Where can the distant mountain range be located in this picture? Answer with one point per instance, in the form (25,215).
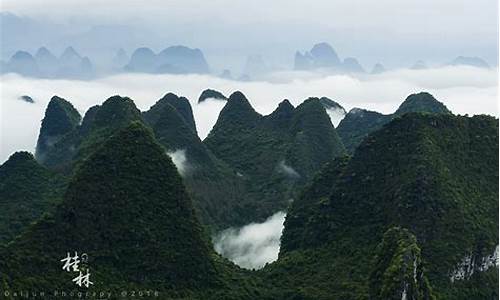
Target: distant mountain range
(323,56)
(185,60)
(46,65)
(173,60)
(470,61)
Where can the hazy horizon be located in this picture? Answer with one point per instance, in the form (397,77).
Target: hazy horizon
(394,33)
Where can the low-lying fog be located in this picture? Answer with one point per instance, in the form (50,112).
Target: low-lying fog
(464,90)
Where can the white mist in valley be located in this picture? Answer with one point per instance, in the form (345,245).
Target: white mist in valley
(179,159)
(254,245)
(464,90)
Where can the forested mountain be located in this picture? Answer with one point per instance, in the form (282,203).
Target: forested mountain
(435,176)
(411,214)
(274,154)
(27,191)
(127,209)
(358,123)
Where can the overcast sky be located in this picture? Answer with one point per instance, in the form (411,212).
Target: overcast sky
(393,32)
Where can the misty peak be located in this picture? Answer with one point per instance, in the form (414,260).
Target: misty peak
(70,53)
(422,102)
(323,50)
(419,65)
(237,111)
(282,115)
(470,61)
(351,65)
(44,53)
(144,52)
(22,56)
(211,94)
(330,104)
(60,118)
(180,104)
(378,68)
(238,101)
(238,97)
(116,112)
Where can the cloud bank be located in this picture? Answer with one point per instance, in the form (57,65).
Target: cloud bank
(253,245)
(464,90)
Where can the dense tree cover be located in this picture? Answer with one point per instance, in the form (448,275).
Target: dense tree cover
(275,154)
(398,272)
(60,118)
(98,124)
(330,104)
(358,123)
(212,94)
(250,166)
(27,191)
(217,191)
(435,175)
(413,213)
(181,104)
(127,209)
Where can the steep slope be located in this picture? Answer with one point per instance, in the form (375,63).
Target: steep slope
(216,190)
(181,104)
(421,102)
(27,190)
(98,124)
(351,65)
(23,63)
(358,123)
(334,110)
(213,94)
(321,55)
(129,218)
(60,118)
(128,210)
(398,271)
(435,175)
(274,154)
(46,61)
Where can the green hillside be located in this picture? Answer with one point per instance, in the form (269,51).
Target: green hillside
(275,154)
(60,118)
(358,123)
(27,191)
(434,175)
